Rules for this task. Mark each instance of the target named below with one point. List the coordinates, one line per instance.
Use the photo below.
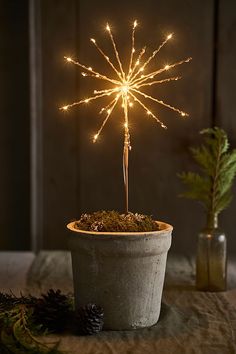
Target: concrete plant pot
(122, 272)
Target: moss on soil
(112, 221)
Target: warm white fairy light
(127, 87)
(129, 83)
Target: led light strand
(153, 54)
(97, 75)
(132, 48)
(183, 114)
(136, 64)
(115, 50)
(155, 73)
(109, 112)
(86, 100)
(176, 78)
(148, 111)
(106, 57)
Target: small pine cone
(52, 311)
(89, 319)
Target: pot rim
(164, 228)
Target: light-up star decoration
(127, 88)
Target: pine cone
(89, 319)
(52, 311)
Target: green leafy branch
(17, 336)
(212, 186)
(25, 319)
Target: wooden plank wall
(14, 126)
(76, 175)
(59, 141)
(225, 97)
(80, 176)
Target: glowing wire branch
(127, 87)
(130, 83)
(153, 54)
(176, 78)
(132, 49)
(115, 50)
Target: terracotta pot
(122, 272)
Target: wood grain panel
(79, 176)
(225, 97)
(36, 125)
(157, 155)
(59, 148)
(15, 123)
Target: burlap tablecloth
(191, 322)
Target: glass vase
(211, 262)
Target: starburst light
(128, 87)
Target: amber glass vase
(211, 262)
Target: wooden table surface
(191, 321)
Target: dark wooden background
(14, 126)
(69, 174)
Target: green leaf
(203, 157)
(9, 341)
(217, 165)
(17, 336)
